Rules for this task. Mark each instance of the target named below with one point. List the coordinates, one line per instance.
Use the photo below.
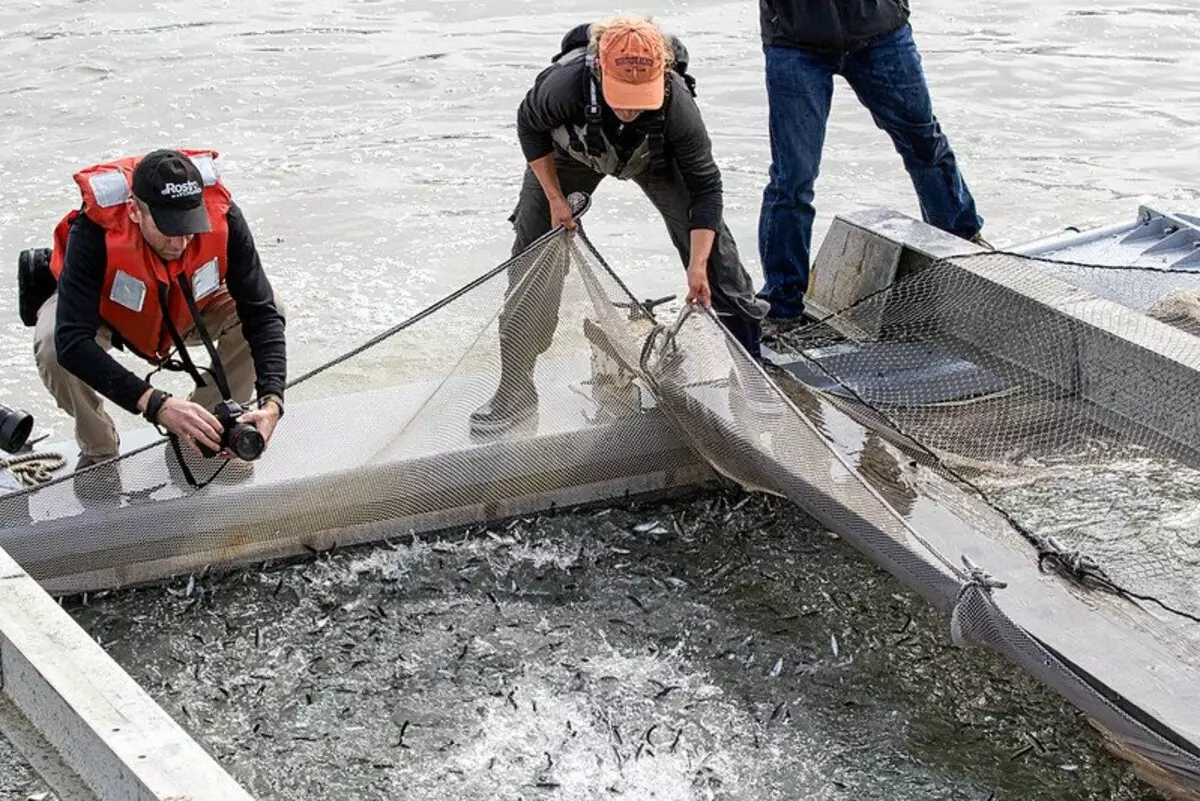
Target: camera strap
(218, 370)
(185, 363)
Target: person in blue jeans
(870, 44)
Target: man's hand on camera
(264, 420)
(191, 422)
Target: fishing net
(951, 380)
(380, 442)
(947, 380)
(1081, 427)
(1071, 414)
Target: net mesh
(1079, 426)
(381, 437)
(1029, 398)
(731, 412)
(997, 388)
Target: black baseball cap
(172, 188)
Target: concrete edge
(42, 757)
(105, 728)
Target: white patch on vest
(207, 168)
(127, 291)
(206, 280)
(109, 188)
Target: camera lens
(15, 427)
(246, 442)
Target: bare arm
(547, 175)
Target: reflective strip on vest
(207, 168)
(206, 280)
(128, 291)
(109, 188)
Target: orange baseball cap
(632, 61)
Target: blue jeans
(889, 82)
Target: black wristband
(154, 405)
(265, 399)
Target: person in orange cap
(616, 101)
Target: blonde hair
(596, 32)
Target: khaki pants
(94, 430)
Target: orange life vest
(140, 290)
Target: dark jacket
(829, 25)
(557, 100)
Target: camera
(15, 427)
(241, 438)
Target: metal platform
(1154, 239)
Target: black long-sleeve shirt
(558, 97)
(82, 281)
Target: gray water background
(372, 146)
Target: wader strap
(593, 132)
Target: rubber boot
(515, 399)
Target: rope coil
(34, 468)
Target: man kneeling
(158, 257)
(615, 102)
